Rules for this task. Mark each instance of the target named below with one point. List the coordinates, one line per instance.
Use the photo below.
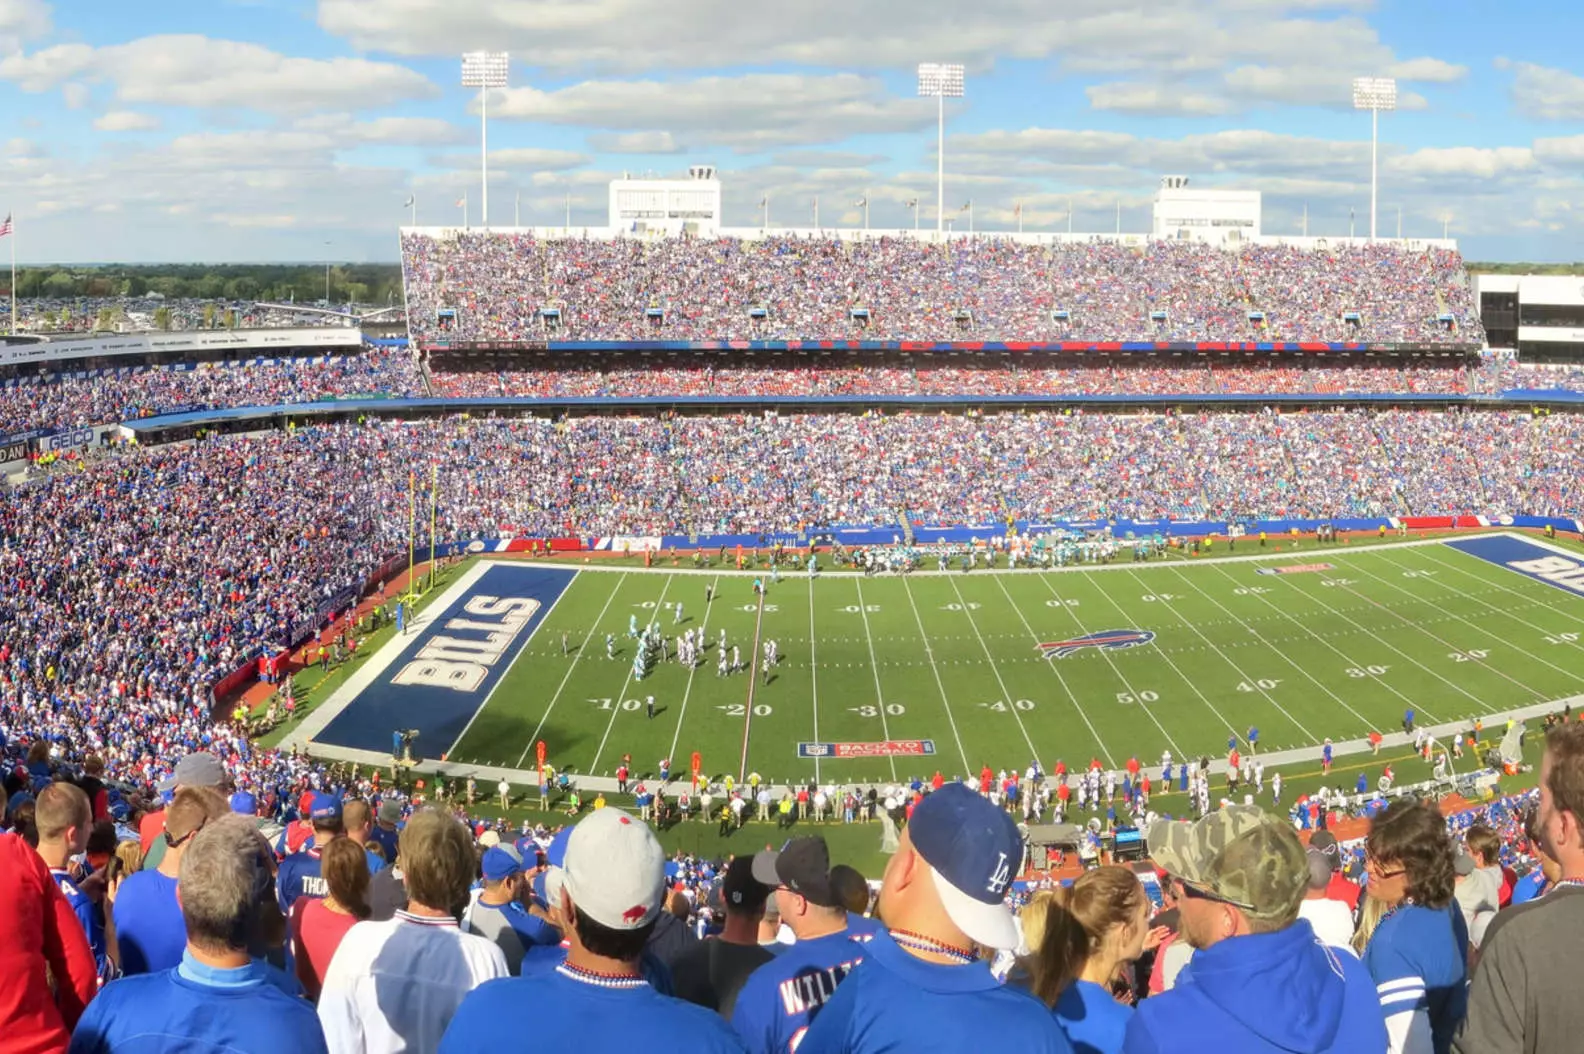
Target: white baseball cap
(614, 870)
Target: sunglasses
(1186, 890)
(1372, 863)
(172, 843)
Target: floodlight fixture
(484, 70)
(1374, 94)
(943, 80)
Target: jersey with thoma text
(781, 998)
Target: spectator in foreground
(498, 913)
(1524, 997)
(219, 997)
(1092, 929)
(923, 985)
(150, 932)
(198, 769)
(712, 972)
(40, 939)
(320, 923)
(63, 817)
(1258, 980)
(1339, 887)
(1418, 954)
(822, 956)
(394, 985)
(605, 897)
(1330, 918)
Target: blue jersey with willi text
(781, 998)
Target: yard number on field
(893, 709)
(1164, 598)
(1059, 603)
(1129, 698)
(1000, 706)
(860, 609)
(607, 703)
(740, 710)
(1264, 684)
(1367, 671)
(972, 605)
(1563, 638)
(1472, 655)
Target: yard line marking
(813, 678)
(1368, 724)
(1213, 646)
(1382, 639)
(682, 716)
(577, 659)
(875, 668)
(1011, 700)
(1526, 598)
(1060, 679)
(1474, 625)
(616, 709)
(753, 682)
(930, 653)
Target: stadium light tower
(943, 80)
(1374, 94)
(484, 70)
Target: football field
(888, 676)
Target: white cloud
(415, 131)
(1154, 99)
(22, 20)
(197, 71)
(635, 143)
(1464, 162)
(1546, 93)
(126, 121)
(509, 158)
(747, 113)
(1566, 152)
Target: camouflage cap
(1240, 854)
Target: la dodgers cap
(614, 870)
(973, 850)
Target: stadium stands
(483, 287)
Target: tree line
(378, 284)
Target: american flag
(5, 226)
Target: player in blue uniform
(922, 985)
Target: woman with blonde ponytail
(1092, 929)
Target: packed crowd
(254, 909)
(65, 400)
(627, 376)
(476, 286)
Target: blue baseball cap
(974, 851)
(324, 807)
(244, 803)
(499, 864)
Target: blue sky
(295, 130)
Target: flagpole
(11, 235)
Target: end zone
(1531, 558)
(439, 675)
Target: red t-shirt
(1339, 888)
(316, 934)
(149, 828)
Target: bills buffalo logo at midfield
(1106, 640)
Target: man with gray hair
(220, 997)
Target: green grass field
(954, 659)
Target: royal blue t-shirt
(563, 1013)
(1418, 958)
(896, 1002)
(780, 998)
(150, 931)
(1092, 1021)
(90, 916)
(198, 1008)
(861, 927)
(542, 959)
